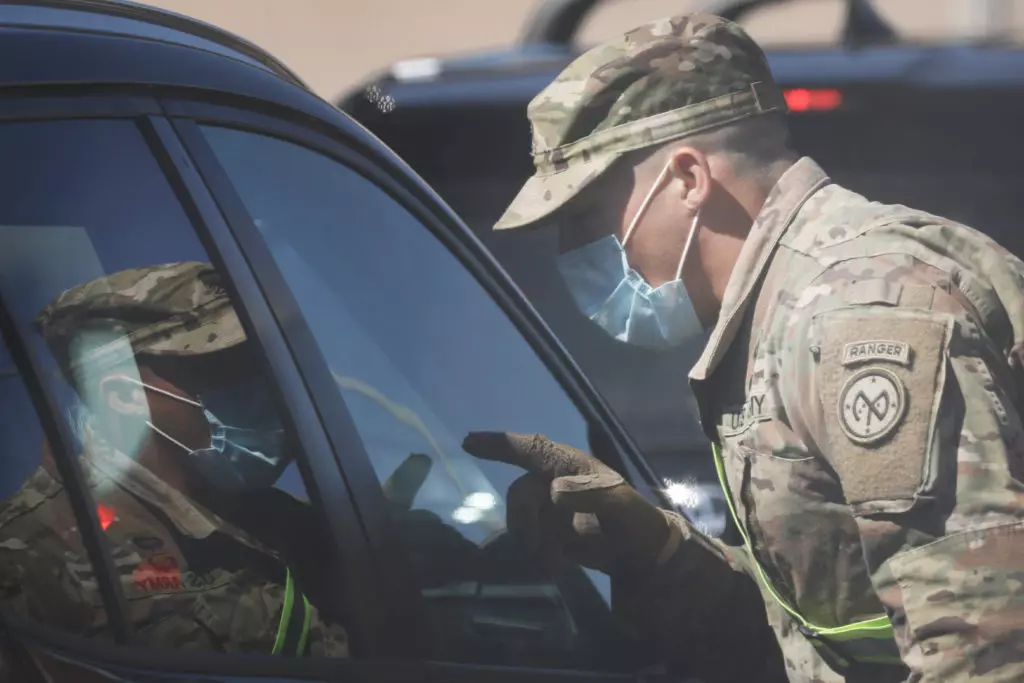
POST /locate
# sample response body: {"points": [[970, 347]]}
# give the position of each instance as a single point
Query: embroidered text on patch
{"points": [[755, 409], [876, 350], [871, 405]]}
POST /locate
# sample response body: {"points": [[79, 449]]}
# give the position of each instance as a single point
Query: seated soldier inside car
{"points": [[183, 444]]}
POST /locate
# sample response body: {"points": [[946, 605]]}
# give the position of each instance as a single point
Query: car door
{"points": [[409, 338], [385, 332]]}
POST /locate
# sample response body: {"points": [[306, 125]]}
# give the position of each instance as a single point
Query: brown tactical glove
{"points": [[573, 504], [694, 606]]}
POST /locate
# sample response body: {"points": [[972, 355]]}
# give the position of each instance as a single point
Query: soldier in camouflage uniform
{"points": [[191, 579], [860, 380]]}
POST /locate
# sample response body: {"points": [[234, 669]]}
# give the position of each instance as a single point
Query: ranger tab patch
{"points": [[877, 350]]}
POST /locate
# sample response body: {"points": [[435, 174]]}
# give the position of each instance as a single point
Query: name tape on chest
{"points": [[883, 350], [755, 408]]}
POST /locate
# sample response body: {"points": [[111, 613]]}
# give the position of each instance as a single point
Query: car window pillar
{"points": [[66, 460], [381, 612]]}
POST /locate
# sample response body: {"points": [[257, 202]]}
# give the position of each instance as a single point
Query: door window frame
{"points": [[399, 183]]}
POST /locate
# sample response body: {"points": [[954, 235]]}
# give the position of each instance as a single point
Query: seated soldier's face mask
{"points": [[247, 441], [616, 297]]}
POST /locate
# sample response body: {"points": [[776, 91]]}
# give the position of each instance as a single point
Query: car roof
{"points": [[48, 45], [144, 21], [116, 42]]}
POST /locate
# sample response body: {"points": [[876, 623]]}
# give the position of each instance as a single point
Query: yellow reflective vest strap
{"points": [[864, 642], [293, 627]]}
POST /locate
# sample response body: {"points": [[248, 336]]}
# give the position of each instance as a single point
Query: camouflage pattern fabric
{"points": [[191, 580], [173, 309], [864, 382], [662, 81]]}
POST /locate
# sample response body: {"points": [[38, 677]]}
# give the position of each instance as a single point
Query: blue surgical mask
{"points": [[247, 442], [616, 297]]}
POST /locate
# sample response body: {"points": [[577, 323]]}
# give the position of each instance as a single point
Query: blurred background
{"points": [[333, 44]]}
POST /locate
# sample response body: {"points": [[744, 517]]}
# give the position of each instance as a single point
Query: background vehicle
{"points": [[134, 137], [935, 127]]}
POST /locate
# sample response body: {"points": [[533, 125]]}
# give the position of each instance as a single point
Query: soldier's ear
{"points": [[121, 410], [691, 174], [123, 396]]}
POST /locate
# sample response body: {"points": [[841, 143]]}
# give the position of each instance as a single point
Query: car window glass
{"points": [[423, 356], [97, 21], [32, 584], [177, 428]]}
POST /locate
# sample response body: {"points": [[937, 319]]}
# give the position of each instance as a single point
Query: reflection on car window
{"points": [[31, 583], [423, 356], [179, 436]]}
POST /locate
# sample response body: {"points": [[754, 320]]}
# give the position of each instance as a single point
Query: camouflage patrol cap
{"points": [[173, 309], [662, 81]]}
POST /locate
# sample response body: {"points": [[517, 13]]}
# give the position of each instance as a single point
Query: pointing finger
{"points": [[532, 452]]}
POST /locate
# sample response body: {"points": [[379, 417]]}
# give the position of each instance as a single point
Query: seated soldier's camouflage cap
{"points": [[172, 309], [662, 81]]}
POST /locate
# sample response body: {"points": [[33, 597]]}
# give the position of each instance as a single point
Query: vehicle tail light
{"points": [[802, 99]]}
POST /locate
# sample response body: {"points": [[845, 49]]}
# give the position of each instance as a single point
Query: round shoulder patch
{"points": [[872, 404]]}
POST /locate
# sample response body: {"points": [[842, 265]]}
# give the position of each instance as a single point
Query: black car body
{"points": [[134, 137], [935, 127]]}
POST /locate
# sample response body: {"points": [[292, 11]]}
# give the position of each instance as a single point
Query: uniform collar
{"points": [[793, 189]]}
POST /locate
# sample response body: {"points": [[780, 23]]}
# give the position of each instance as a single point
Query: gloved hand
{"points": [[569, 503]]}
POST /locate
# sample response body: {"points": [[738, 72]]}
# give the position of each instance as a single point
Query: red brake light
{"points": [[106, 515], [801, 99]]}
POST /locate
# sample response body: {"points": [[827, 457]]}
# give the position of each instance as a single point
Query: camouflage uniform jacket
{"points": [[863, 383], [190, 579]]}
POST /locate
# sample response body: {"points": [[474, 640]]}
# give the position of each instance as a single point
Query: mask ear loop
{"points": [[169, 437], [645, 203], [689, 243], [168, 394]]}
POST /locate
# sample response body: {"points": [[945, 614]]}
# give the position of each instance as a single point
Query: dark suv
{"points": [[382, 330], [936, 127]]}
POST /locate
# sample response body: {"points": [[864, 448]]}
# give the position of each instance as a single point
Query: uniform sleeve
{"points": [[45, 574], [696, 607], [911, 407]]}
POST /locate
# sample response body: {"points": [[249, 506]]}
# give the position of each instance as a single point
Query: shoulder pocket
{"points": [[881, 373]]}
